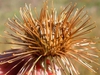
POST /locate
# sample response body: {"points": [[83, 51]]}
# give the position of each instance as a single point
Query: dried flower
{"points": [[50, 44]]}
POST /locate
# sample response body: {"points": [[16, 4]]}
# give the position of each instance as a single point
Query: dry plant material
{"points": [[50, 44]]}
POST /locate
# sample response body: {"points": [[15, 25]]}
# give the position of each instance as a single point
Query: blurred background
{"points": [[10, 7]]}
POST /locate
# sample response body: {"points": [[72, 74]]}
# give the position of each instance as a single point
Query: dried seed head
{"points": [[57, 37]]}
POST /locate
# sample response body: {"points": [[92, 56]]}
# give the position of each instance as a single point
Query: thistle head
{"points": [[51, 38]]}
